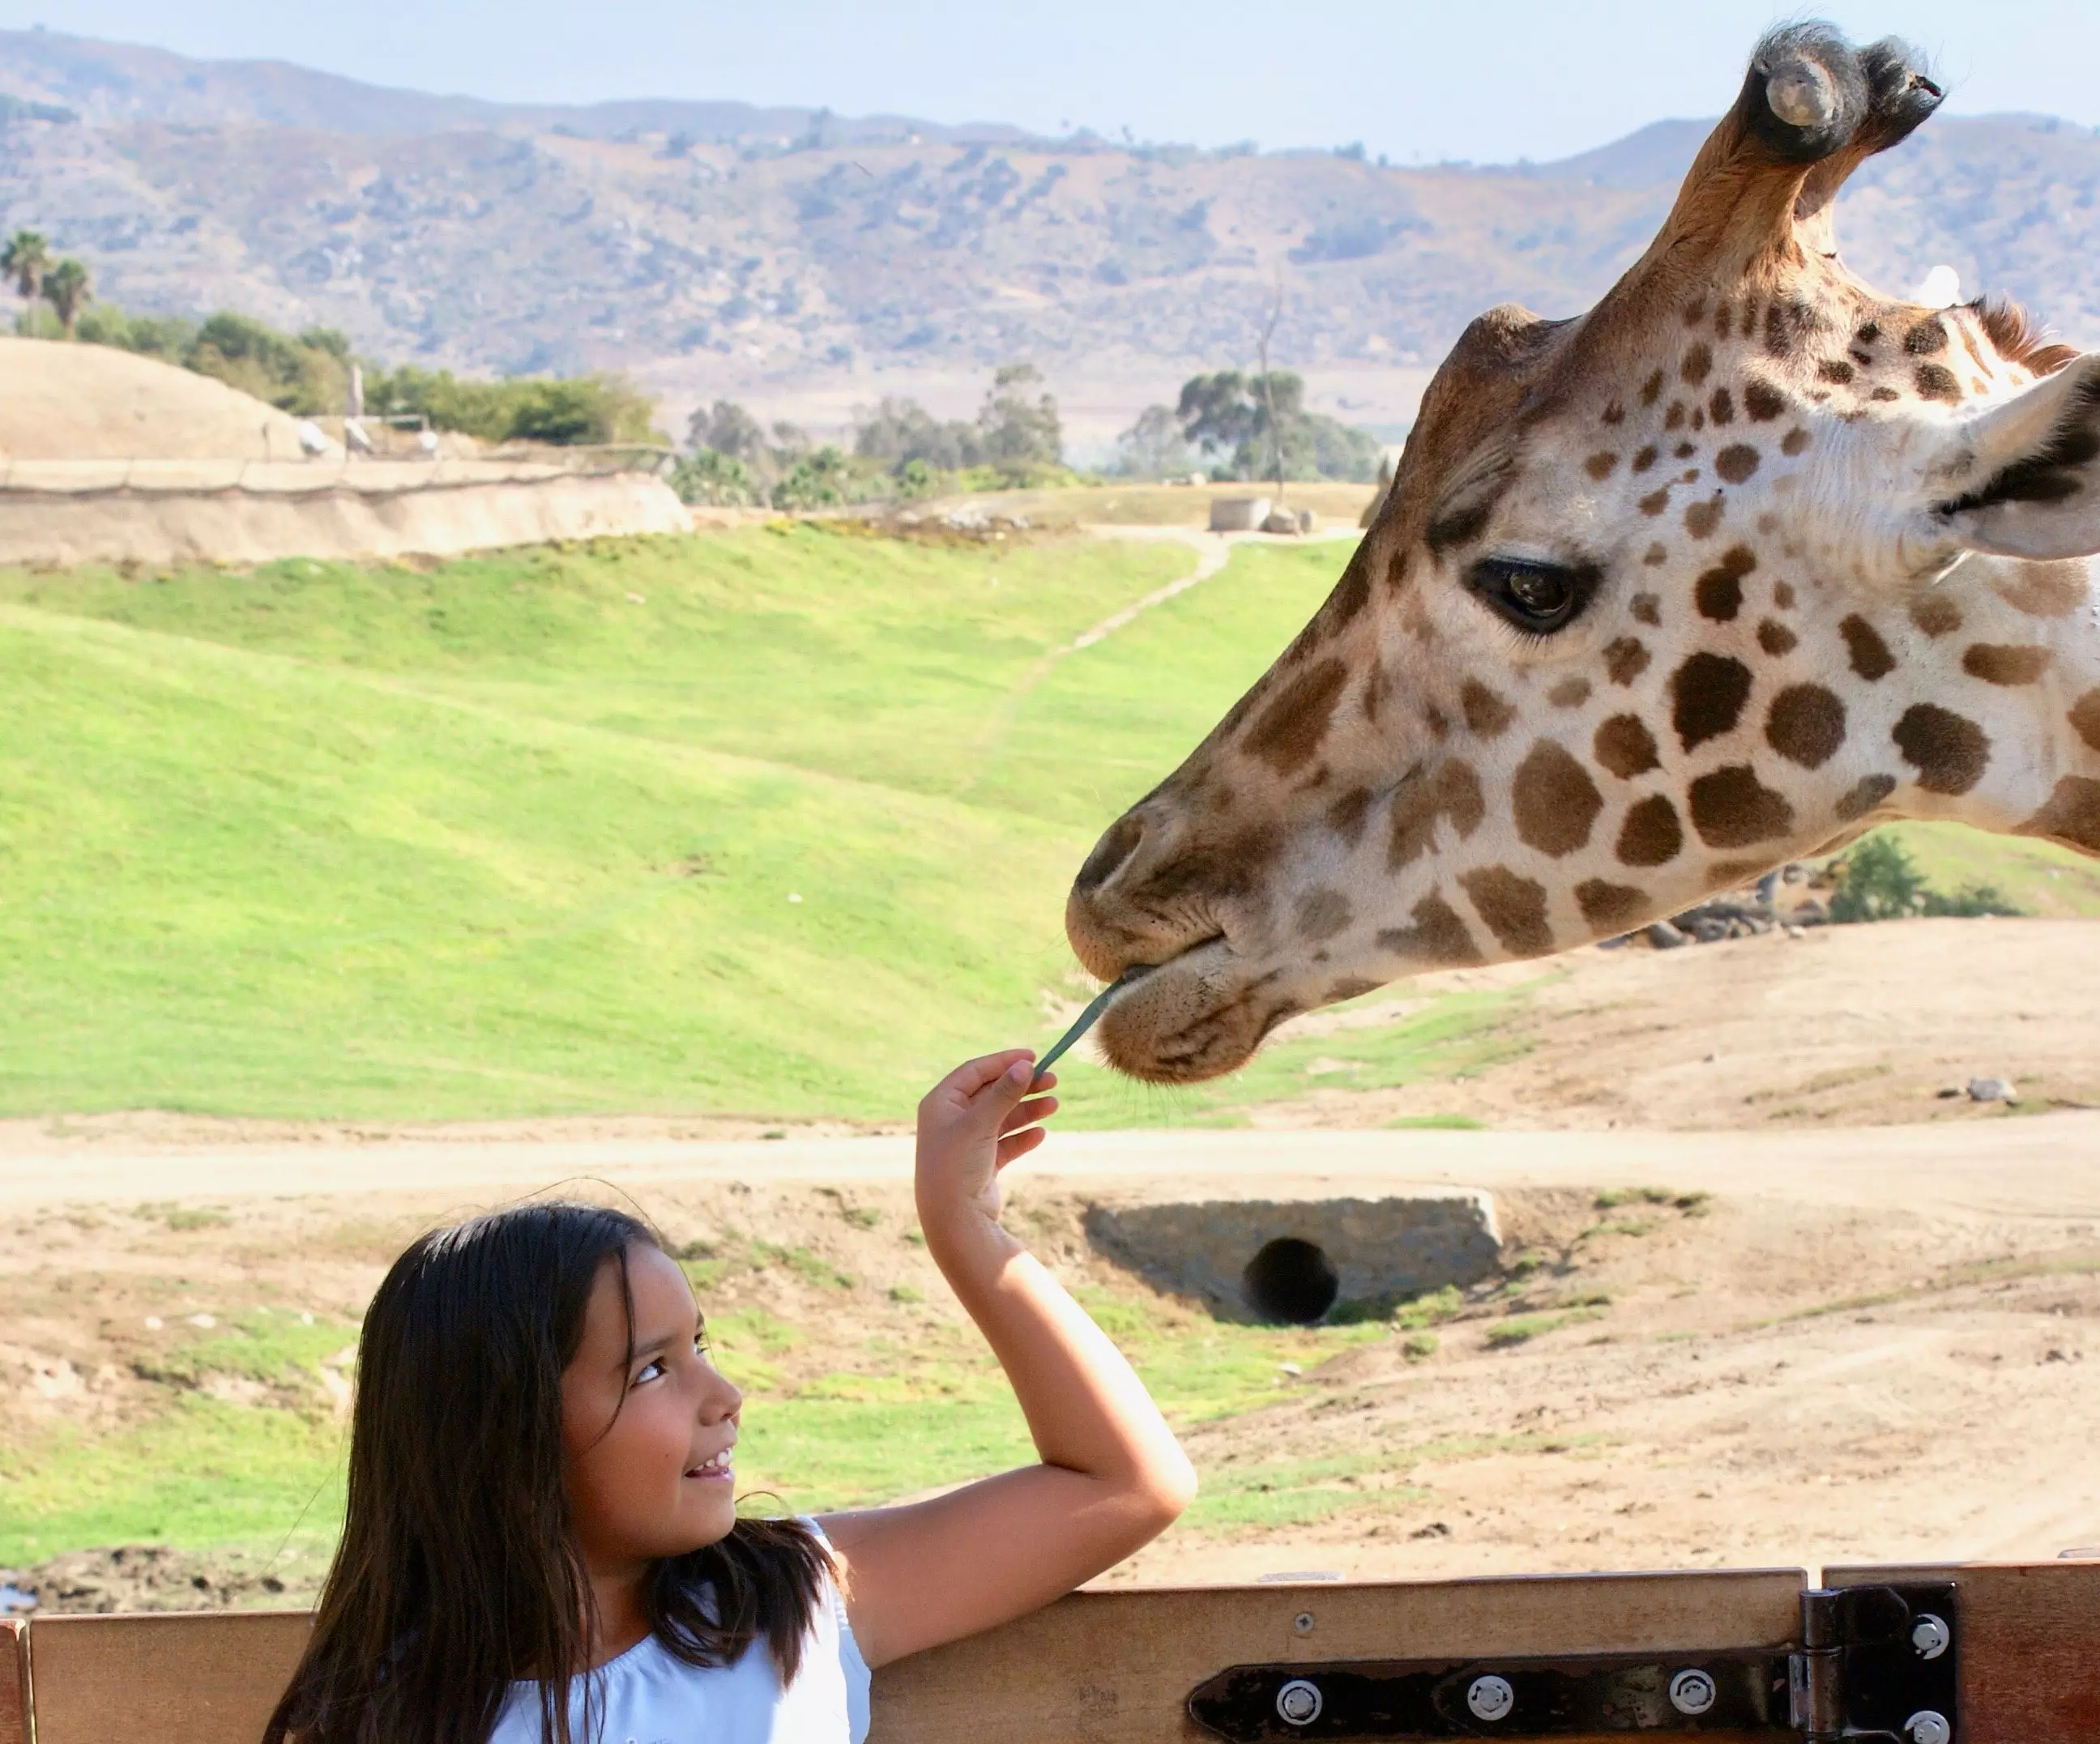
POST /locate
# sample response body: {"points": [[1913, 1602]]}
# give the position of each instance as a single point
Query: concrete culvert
{"points": [[1289, 1281], [1297, 1260]]}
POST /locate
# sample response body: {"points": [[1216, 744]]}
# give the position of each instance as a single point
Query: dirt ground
{"points": [[1788, 1337]]}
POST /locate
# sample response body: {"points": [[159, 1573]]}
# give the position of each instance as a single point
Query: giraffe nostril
{"points": [[1111, 853]]}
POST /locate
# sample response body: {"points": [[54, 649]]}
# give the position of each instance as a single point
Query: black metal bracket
{"points": [[1872, 1665]]}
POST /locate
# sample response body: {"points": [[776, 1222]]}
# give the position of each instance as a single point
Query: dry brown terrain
{"points": [[1770, 1341]]}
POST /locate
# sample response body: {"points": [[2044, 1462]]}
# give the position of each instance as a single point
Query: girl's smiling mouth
{"points": [[717, 1465]]}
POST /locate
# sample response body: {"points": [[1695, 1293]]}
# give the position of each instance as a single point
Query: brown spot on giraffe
{"points": [[1783, 595], [1834, 370], [1651, 836], [2043, 590], [1864, 797], [1884, 393], [1347, 815], [1644, 458], [1652, 389], [1570, 693], [1453, 792], [1698, 418], [1721, 407], [1709, 692], [1439, 937], [1291, 727], [1776, 639], [1949, 751], [1934, 382], [1674, 419], [1610, 907], [1934, 614], [1684, 450], [1794, 441], [1321, 913], [1655, 502], [1514, 908], [1928, 338], [1731, 807], [1719, 591], [1806, 725], [2071, 816], [1553, 800], [1599, 464], [2086, 719], [1762, 401], [1615, 412], [1626, 659], [1737, 462], [1701, 518], [1625, 746], [1863, 646], [1647, 608], [1656, 555], [1486, 714], [2000, 663], [1698, 364]]}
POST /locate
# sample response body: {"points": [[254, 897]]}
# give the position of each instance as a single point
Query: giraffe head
{"points": [[1743, 560]]}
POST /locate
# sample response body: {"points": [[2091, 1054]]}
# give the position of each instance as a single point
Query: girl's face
{"points": [[647, 1438]]}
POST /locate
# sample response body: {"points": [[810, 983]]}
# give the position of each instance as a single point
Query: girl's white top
{"points": [[648, 1697]]}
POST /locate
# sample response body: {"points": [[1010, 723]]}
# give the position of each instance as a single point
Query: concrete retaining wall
{"points": [[348, 519]]}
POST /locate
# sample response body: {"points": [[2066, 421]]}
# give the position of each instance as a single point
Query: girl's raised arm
{"points": [[1112, 1476]]}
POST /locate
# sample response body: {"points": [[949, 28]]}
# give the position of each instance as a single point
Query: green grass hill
{"points": [[776, 820]]}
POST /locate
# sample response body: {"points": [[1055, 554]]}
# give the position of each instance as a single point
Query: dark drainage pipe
{"points": [[1290, 1281]]}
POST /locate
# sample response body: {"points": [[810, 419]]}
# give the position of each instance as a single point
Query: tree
{"points": [[710, 476], [26, 259], [901, 431], [69, 288], [1154, 448], [727, 428], [1018, 432], [1261, 424]]}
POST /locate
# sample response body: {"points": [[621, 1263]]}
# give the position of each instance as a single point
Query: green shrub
{"points": [[1881, 882], [712, 476]]}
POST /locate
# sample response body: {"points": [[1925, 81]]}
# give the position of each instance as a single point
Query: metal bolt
{"points": [[1491, 1699], [1692, 1692], [1926, 1727], [1298, 1702], [1302, 1623], [1930, 1635]]}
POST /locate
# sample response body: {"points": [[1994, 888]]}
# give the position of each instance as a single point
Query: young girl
{"points": [[542, 1545]]}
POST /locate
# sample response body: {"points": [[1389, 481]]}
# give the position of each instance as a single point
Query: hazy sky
{"points": [[1488, 80]]}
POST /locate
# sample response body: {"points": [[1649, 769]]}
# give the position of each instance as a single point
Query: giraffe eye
{"points": [[1537, 598]]}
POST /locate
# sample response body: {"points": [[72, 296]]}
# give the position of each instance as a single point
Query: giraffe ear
{"points": [[2026, 476]]}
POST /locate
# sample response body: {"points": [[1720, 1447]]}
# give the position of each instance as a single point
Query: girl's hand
{"points": [[972, 1124]]}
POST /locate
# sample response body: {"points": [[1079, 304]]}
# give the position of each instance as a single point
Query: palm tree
{"points": [[26, 259], [69, 287]]}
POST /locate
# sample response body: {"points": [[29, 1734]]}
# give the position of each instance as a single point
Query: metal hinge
{"points": [[1874, 1665]]}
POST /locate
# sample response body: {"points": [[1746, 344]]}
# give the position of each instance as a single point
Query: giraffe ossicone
{"points": [[1741, 563]]}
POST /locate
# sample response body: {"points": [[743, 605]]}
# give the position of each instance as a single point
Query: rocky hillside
{"points": [[716, 246]]}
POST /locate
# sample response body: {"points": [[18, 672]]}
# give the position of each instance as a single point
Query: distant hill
{"points": [[810, 260]]}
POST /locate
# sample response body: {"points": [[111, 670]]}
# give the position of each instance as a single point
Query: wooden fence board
{"points": [[170, 1678], [2029, 1641], [1117, 1668], [14, 1682]]}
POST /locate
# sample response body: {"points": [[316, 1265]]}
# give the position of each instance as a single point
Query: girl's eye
{"points": [[651, 1370]]}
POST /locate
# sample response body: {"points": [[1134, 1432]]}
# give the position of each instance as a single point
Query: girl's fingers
{"points": [[1036, 1108], [973, 1075], [1019, 1144]]}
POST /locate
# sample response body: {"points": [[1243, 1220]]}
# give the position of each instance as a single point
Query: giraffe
{"points": [[1741, 563]]}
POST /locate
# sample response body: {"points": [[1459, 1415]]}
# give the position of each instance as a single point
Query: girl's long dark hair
{"points": [[458, 1569]]}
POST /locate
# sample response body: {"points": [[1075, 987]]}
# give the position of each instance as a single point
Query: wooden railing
{"points": [[1118, 1667]]}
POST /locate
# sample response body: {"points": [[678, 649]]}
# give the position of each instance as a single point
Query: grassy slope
{"points": [[498, 839], [518, 834]]}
